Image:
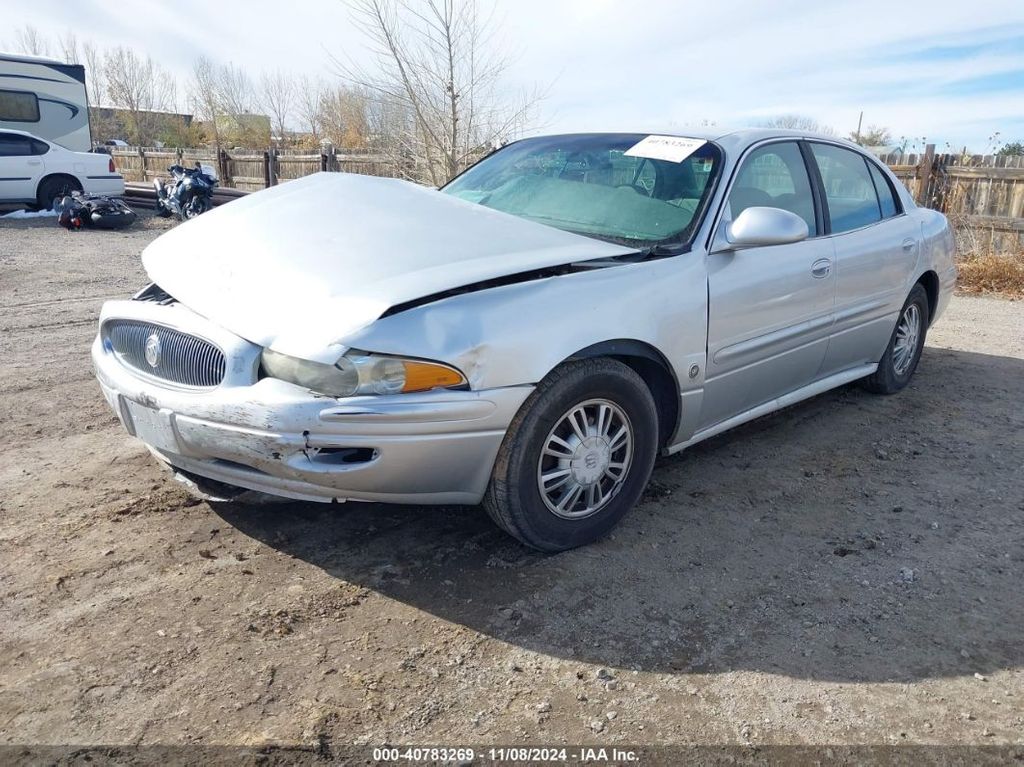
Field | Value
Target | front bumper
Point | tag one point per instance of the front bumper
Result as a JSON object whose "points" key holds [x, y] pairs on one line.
{"points": [[277, 438]]}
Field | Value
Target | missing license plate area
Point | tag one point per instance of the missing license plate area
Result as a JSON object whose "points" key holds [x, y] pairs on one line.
{"points": [[152, 426]]}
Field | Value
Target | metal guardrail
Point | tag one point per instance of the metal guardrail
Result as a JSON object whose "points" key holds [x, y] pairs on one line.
{"points": [[144, 195]]}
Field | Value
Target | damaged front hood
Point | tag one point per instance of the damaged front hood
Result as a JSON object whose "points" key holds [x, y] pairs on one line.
{"points": [[302, 265]]}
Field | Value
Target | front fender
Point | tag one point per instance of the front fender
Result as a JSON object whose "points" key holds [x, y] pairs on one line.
{"points": [[516, 334]]}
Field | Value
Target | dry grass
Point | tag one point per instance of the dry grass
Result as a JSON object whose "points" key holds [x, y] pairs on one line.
{"points": [[990, 262], [993, 274]]}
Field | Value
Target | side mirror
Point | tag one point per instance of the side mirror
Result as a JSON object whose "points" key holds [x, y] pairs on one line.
{"points": [[766, 226]]}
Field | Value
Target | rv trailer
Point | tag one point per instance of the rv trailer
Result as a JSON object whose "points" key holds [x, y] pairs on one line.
{"points": [[46, 98]]}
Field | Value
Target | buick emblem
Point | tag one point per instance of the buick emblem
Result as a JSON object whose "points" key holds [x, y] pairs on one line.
{"points": [[591, 460], [153, 350]]}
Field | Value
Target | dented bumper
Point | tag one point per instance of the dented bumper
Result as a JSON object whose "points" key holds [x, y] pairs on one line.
{"points": [[273, 437]]}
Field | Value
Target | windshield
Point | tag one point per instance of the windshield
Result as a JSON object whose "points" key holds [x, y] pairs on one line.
{"points": [[600, 185]]}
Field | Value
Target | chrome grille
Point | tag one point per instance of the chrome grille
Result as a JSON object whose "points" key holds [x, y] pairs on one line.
{"points": [[183, 359]]}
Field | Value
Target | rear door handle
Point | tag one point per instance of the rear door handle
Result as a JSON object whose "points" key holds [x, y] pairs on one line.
{"points": [[821, 268], [909, 243]]}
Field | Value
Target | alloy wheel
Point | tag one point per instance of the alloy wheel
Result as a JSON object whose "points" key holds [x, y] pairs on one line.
{"points": [[585, 459], [907, 334]]}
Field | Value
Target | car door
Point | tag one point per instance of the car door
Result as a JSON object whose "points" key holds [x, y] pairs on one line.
{"points": [[770, 308], [21, 166], [876, 248]]}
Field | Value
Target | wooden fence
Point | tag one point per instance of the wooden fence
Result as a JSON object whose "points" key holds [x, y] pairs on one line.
{"points": [[251, 170], [983, 195]]}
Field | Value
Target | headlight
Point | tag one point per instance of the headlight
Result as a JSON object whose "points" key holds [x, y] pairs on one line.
{"points": [[363, 374]]}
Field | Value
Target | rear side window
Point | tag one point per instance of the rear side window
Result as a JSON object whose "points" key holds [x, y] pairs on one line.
{"points": [[19, 107], [774, 176], [12, 145], [886, 197], [849, 190]]}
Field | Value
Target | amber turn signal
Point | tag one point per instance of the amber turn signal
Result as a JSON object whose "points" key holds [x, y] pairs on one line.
{"points": [[423, 376]]}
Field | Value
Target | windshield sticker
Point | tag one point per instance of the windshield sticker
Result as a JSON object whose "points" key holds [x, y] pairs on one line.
{"points": [[670, 148]]}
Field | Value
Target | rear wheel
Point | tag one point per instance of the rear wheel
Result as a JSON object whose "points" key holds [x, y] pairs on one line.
{"points": [[905, 346], [576, 457], [53, 189]]}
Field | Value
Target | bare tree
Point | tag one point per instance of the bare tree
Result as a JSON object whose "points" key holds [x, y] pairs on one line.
{"points": [[69, 51], [235, 95], [28, 39], [204, 93], [223, 97], [234, 90], [310, 99], [344, 117], [440, 62], [277, 96], [798, 122], [95, 86], [94, 77], [389, 122], [140, 87]]}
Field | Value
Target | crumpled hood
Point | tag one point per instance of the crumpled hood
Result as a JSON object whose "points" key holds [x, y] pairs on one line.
{"points": [[302, 265]]}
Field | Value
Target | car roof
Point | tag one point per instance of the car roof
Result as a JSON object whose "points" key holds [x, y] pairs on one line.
{"points": [[728, 138], [753, 135]]}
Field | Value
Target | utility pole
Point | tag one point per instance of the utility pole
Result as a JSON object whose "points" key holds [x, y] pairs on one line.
{"points": [[859, 121]]}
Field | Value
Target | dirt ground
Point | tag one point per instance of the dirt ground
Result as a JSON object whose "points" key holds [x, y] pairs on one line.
{"points": [[846, 571]]}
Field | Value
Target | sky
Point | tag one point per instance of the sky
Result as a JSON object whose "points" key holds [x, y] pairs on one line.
{"points": [[949, 73]]}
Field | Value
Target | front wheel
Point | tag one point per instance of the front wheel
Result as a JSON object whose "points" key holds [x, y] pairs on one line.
{"points": [[905, 346], [576, 457], [194, 207]]}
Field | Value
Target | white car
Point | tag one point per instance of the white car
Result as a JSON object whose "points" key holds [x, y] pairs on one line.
{"points": [[35, 171]]}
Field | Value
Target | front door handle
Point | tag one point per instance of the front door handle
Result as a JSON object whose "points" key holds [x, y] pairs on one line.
{"points": [[821, 268]]}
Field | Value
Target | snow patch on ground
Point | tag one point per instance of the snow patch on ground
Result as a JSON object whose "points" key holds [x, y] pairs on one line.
{"points": [[19, 214]]}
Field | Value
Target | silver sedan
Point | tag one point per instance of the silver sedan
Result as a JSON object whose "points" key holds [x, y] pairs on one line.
{"points": [[530, 336]]}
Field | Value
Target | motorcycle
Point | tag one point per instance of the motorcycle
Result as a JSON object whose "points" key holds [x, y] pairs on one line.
{"points": [[189, 193], [84, 211]]}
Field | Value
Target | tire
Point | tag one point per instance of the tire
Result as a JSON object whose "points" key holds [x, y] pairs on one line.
{"points": [[53, 188], [195, 207], [896, 367], [602, 391]]}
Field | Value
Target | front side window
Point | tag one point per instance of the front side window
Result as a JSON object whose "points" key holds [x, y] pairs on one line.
{"points": [[19, 106], [587, 184], [849, 190], [774, 176]]}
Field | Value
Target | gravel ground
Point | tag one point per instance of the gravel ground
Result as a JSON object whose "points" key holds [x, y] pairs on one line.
{"points": [[845, 571]]}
